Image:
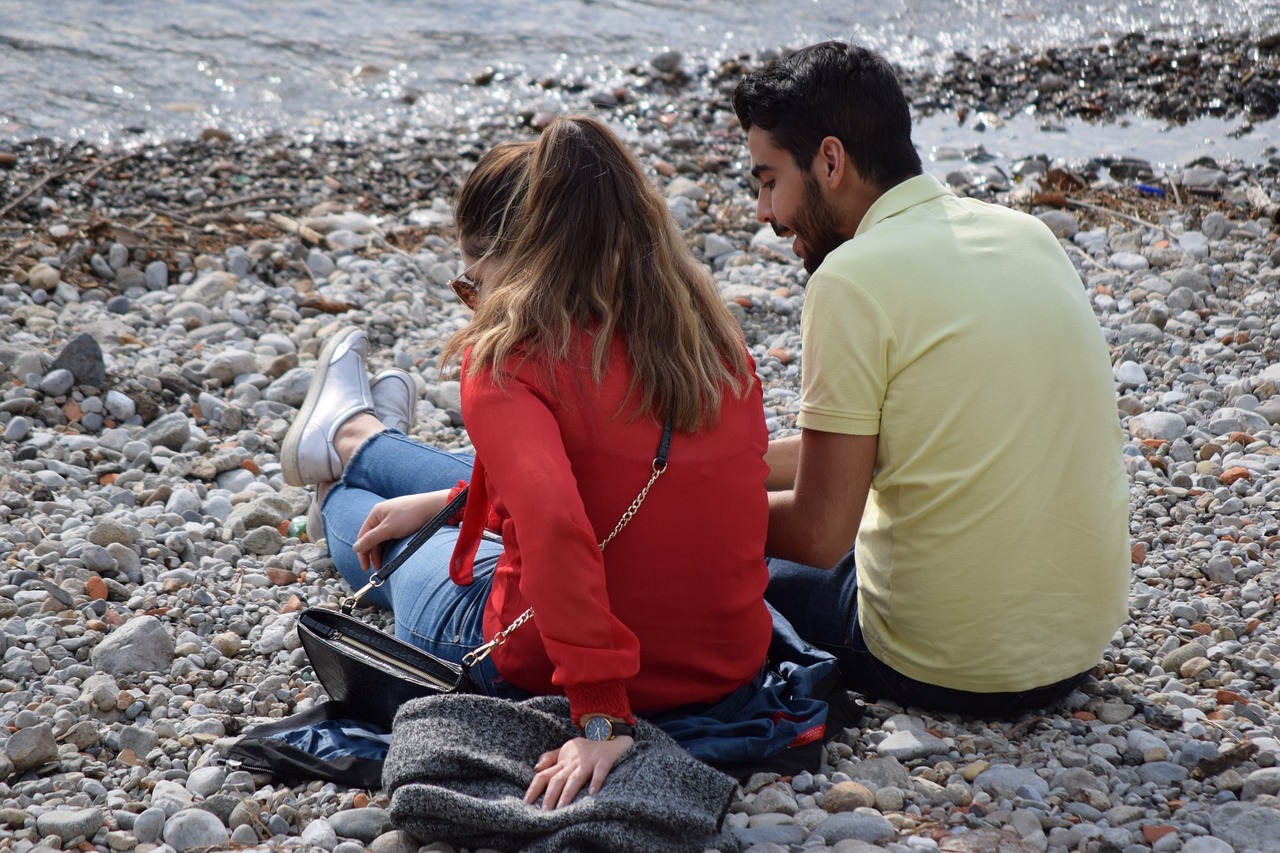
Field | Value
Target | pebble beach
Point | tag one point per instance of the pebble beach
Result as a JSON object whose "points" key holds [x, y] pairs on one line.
{"points": [[161, 310]]}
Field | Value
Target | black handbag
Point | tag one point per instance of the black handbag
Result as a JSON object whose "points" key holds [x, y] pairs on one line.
{"points": [[368, 670], [372, 672]]}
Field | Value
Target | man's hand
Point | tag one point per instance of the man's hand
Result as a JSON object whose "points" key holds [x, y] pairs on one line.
{"points": [[560, 774], [394, 519], [816, 523]]}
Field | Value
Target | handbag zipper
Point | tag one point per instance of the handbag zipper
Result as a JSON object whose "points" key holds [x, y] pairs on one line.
{"points": [[339, 637]]}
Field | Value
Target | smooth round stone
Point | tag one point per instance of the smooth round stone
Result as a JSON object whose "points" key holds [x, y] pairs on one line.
{"points": [[1206, 844], [863, 825], [1194, 244], [318, 833], [97, 558], [1004, 780], [1131, 374], [1130, 261], [17, 429], [361, 824], [206, 781], [43, 277], [69, 824], [157, 275], [57, 382], [1158, 425], [118, 256], [194, 828], [1246, 826], [320, 264], [910, 745], [119, 406], [889, 799], [244, 835]]}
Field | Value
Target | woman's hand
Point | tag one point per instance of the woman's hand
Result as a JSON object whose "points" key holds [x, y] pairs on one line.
{"points": [[561, 773], [394, 519]]}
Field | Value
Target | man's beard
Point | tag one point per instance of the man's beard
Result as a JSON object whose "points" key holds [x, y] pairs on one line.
{"points": [[816, 225]]}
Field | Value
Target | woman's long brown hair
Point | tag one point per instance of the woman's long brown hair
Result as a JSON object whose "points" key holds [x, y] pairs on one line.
{"points": [[580, 238]]}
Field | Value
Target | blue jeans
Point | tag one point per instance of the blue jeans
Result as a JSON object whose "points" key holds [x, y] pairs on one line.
{"points": [[823, 607], [432, 612]]}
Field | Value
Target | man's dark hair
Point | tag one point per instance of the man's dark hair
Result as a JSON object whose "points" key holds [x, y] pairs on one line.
{"points": [[833, 89]]}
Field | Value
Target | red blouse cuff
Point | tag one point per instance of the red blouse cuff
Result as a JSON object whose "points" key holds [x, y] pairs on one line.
{"points": [[599, 697], [453, 493]]}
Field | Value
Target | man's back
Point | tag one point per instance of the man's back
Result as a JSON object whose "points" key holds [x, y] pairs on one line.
{"points": [[993, 554]]}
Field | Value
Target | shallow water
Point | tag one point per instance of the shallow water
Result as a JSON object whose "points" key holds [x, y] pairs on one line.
{"points": [[117, 70]]}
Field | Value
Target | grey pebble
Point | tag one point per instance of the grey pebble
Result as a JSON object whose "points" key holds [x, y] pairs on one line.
{"points": [[362, 824], [861, 825], [57, 382], [194, 828], [149, 826], [70, 824], [142, 644], [318, 833], [909, 745], [17, 429]]}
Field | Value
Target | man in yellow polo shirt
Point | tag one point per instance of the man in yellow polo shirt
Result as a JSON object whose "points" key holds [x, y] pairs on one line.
{"points": [[958, 480]]}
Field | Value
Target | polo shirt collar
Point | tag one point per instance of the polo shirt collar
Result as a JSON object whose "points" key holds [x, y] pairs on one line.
{"points": [[907, 194]]}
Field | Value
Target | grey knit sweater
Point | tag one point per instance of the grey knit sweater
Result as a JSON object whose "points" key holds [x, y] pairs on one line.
{"points": [[459, 766]]}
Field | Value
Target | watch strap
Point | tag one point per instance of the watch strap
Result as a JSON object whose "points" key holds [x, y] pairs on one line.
{"points": [[621, 729]]}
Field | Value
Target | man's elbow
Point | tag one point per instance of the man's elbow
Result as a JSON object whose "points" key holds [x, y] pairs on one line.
{"points": [[827, 555], [816, 550]]}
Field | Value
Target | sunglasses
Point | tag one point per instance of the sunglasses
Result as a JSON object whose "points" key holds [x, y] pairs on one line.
{"points": [[465, 289]]}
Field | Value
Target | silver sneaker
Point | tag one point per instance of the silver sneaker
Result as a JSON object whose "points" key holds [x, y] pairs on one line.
{"points": [[339, 391], [394, 396]]}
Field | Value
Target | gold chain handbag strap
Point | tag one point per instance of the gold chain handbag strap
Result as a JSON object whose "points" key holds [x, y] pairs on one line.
{"points": [[475, 656]]}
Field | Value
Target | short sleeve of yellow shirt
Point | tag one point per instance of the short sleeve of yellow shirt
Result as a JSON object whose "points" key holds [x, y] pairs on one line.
{"points": [[845, 377]]}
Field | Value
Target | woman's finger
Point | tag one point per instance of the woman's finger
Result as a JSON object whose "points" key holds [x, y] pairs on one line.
{"points": [[599, 775], [544, 768], [572, 785], [555, 784]]}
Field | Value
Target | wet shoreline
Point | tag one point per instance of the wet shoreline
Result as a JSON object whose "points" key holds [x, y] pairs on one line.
{"points": [[161, 308]]}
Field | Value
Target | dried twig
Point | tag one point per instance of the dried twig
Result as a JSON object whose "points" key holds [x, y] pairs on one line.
{"points": [[249, 199], [1024, 727], [61, 173], [1126, 217], [109, 164], [1089, 258]]}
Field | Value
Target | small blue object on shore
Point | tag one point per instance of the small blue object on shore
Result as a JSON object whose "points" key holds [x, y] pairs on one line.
{"points": [[1150, 190]]}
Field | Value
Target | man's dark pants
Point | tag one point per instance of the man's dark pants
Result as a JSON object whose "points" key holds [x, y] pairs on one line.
{"points": [[823, 607]]}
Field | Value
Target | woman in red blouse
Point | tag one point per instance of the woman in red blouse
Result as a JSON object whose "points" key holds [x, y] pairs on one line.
{"points": [[593, 326]]}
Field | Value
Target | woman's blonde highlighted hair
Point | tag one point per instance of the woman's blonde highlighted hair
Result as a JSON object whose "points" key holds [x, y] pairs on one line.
{"points": [[578, 237]]}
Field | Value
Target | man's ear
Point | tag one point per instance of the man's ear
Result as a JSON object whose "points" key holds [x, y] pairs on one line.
{"points": [[830, 162]]}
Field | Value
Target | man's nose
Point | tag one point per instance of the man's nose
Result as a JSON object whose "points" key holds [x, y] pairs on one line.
{"points": [[764, 207]]}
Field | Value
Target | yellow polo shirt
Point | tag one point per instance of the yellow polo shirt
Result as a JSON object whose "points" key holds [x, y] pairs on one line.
{"points": [[993, 554]]}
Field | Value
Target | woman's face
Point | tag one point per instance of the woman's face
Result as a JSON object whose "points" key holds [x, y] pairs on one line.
{"points": [[468, 283]]}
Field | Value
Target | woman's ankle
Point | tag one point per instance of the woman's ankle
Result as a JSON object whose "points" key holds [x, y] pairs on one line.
{"points": [[354, 432]]}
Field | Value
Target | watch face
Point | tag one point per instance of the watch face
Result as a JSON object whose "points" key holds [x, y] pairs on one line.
{"points": [[598, 728]]}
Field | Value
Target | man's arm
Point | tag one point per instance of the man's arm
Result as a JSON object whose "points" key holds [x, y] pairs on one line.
{"points": [[816, 522], [782, 457]]}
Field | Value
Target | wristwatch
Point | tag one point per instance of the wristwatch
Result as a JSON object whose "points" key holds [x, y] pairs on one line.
{"points": [[603, 728]]}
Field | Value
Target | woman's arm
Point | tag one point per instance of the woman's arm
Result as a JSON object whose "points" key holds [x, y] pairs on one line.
{"points": [[516, 434], [562, 572]]}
